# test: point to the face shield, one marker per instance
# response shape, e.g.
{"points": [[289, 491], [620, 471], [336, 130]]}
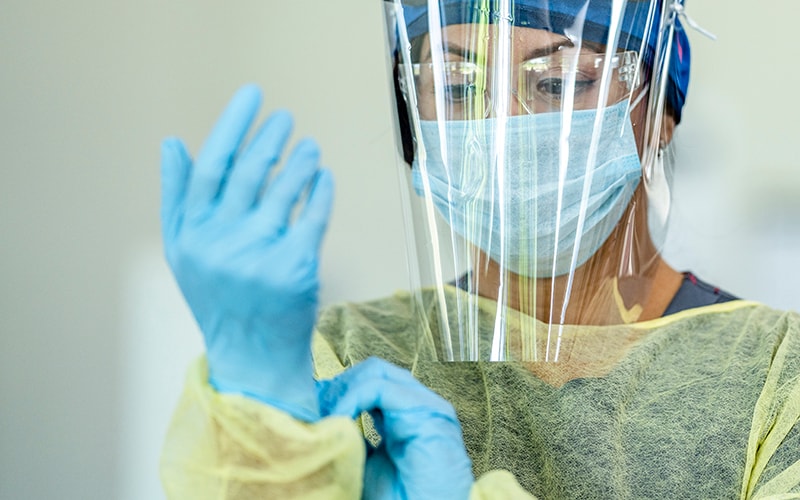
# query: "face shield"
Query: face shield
{"points": [[535, 191]]}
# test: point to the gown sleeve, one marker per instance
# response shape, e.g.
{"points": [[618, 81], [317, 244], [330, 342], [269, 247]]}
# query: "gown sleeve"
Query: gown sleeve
{"points": [[231, 447]]}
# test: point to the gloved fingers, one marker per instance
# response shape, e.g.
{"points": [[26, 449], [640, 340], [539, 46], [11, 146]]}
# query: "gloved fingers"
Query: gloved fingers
{"points": [[375, 384], [422, 453], [254, 164], [285, 190], [380, 477], [429, 476], [313, 220], [219, 150], [175, 166]]}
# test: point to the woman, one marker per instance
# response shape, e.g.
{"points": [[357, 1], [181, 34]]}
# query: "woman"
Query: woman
{"points": [[577, 362]]}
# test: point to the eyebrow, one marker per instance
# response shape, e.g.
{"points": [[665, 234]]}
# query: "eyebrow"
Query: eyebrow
{"points": [[548, 49], [455, 49]]}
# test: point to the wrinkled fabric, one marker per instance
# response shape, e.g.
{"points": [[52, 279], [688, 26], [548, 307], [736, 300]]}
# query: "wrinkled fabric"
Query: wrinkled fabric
{"points": [[222, 446], [228, 447], [701, 404]]}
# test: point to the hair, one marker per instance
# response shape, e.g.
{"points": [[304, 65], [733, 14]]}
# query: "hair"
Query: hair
{"points": [[406, 136]]}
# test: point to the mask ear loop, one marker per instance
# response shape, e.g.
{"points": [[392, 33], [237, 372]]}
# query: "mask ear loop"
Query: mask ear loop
{"points": [[639, 98]]}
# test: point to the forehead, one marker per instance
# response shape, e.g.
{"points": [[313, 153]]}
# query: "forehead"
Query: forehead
{"points": [[591, 24], [482, 39]]}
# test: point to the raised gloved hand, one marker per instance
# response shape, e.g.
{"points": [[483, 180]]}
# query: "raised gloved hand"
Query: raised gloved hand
{"points": [[247, 271], [421, 454]]}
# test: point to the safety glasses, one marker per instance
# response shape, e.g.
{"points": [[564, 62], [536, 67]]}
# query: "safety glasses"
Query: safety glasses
{"points": [[460, 89]]}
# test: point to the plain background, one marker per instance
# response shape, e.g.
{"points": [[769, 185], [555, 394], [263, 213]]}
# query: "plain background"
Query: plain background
{"points": [[94, 337]]}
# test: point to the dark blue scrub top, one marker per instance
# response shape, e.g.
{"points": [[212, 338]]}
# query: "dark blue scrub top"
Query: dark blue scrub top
{"points": [[692, 293], [696, 293]]}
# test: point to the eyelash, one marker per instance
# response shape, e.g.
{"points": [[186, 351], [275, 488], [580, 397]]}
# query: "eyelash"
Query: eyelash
{"points": [[461, 88], [580, 86]]}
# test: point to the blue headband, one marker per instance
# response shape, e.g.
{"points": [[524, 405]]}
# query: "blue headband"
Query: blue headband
{"points": [[558, 15]]}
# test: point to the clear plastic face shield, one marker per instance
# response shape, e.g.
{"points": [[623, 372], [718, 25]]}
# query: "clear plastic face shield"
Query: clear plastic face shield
{"points": [[536, 194]]}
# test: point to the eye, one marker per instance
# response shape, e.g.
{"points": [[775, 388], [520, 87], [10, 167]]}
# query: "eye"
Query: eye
{"points": [[553, 87], [459, 92], [550, 86]]}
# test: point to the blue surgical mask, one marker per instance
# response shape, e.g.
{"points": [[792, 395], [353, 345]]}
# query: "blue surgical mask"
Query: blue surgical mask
{"points": [[539, 194]]}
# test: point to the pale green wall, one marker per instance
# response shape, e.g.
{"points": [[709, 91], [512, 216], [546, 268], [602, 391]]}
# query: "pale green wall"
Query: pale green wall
{"points": [[737, 205]]}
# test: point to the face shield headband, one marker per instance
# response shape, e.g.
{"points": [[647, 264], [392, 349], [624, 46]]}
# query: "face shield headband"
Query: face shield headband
{"points": [[557, 16]]}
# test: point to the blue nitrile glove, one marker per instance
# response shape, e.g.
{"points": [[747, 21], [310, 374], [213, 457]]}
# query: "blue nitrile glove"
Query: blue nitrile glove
{"points": [[249, 273], [421, 454]]}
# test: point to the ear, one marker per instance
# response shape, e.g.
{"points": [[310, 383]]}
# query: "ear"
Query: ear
{"points": [[667, 129]]}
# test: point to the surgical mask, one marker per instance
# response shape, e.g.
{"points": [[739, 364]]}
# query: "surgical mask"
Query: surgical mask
{"points": [[545, 201]]}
